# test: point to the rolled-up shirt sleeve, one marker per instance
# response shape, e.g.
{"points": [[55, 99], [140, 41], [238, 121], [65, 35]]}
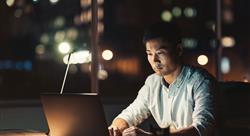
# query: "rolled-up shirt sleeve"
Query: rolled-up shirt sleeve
{"points": [[137, 111], [204, 109]]}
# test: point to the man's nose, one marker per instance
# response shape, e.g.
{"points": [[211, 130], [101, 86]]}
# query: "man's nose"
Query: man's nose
{"points": [[155, 58]]}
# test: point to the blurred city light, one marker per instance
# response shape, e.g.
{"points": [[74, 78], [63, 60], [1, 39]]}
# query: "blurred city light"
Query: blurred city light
{"points": [[225, 65], [59, 22], [246, 77], [210, 25], [79, 57], [128, 66], [107, 54], [100, 13], [77, 20], [85, 3], [166, 16], [44, 38], [53, 1], [228, 41], [28, 65], [73, 69], [100, 1], [59, 36], [190, 43], [10, 2], [85, 16], [176, 11], [20, 3], [18, 13], [64, 47], [72, 34], [190, 12], [102, 74], [40, 49], [100, 27], [202, 59], [24, 65], [212, 43], [228, 16]]}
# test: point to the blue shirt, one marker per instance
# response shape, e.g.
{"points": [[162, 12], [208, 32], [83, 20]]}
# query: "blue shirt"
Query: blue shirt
{"points": [[189, 100]]}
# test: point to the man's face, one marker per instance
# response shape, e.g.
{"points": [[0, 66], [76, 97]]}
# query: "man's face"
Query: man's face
{"points": [[162, 57]]}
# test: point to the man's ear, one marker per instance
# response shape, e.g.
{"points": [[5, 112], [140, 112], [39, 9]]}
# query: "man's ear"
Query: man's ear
{"points": [[179, 49]]}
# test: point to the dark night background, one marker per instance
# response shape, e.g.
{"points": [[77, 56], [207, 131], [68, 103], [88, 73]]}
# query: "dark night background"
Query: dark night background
{"points": [[28, 27], [32, 30]]}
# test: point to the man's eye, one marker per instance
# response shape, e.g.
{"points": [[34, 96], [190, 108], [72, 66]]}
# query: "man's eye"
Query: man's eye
{"points": [[149, 54], [159, 52]]}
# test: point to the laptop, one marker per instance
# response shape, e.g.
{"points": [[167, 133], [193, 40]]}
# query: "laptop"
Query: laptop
{"points": [[74, 114]]}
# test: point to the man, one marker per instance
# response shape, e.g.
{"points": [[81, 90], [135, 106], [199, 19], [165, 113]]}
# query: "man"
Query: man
{"points": [[178, 96]]}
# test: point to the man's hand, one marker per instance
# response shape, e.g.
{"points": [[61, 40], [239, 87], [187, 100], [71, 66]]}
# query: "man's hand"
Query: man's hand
{"points": [[118, 125], [134, 131], [114, 131]]}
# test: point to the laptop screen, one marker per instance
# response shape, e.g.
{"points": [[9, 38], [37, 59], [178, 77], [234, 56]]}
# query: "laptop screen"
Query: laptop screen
{"points": [[74, 115]]}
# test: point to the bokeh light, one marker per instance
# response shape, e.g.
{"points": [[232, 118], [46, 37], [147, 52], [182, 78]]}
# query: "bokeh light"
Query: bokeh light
{"points": [[107, 54], [166, 16], [100, 13], [190, 43], [18, 13], [53, 1], [73, 69], [176, 11], [228, 16], [225, 65], [85, 16], [85, 3], [78, 57], [228, 41], [64, 47], [102, 74], [40, 49], [100, 27], [59, 36], [202, 59], [44, 38], [190, 12], [59, 22], [77, 20], [10, 2], [72, 33], [100, 2]]}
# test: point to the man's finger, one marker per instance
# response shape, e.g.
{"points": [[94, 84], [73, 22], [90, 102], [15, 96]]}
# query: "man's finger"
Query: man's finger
{"points": [[129, 130], [111, 133], [116, 131]]}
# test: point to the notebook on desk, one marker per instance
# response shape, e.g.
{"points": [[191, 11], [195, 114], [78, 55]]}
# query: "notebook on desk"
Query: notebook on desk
{"points": [[74, 115]]}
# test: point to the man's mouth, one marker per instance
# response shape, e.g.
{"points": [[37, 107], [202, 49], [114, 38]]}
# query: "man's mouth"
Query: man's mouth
{"points": [[158, 66]]}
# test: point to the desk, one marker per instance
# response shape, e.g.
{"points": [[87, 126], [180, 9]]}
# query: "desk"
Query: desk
{"points": [[21, 133]]}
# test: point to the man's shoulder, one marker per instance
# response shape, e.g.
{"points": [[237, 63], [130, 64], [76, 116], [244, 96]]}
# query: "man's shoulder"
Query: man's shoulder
{"points": [[153, 78], [198, 73]]}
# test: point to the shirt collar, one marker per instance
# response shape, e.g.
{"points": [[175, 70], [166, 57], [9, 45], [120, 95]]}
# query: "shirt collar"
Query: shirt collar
{"points": [[179, 80]]}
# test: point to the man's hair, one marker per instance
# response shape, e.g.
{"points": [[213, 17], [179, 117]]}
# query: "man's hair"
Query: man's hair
{"points": [[169, 32]]}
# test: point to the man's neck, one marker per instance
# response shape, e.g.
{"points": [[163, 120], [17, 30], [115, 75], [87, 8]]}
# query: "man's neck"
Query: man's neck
{"points": [[170, 78]]}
